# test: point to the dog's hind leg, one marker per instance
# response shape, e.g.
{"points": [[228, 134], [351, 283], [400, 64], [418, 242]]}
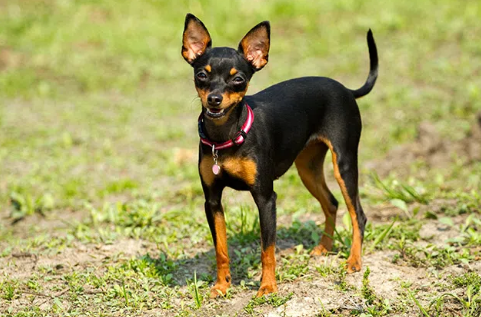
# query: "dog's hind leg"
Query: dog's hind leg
{"points": [[309, 165], [344, 159]]}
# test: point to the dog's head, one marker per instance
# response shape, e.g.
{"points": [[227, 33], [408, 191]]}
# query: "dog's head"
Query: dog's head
{"points": [[222, 74]]}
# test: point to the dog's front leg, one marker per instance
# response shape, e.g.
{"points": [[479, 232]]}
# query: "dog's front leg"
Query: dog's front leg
{"points": [[215, 217], [265, 199]]}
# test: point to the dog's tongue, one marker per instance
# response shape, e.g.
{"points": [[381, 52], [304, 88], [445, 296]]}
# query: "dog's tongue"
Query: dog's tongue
{"points": [[215, 110]]}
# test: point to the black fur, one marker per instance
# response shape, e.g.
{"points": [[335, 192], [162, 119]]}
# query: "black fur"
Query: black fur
{"points": [[289, 116]]}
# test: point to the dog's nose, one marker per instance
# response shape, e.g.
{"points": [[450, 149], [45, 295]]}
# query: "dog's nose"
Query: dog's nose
{"points": [[214, 99]]}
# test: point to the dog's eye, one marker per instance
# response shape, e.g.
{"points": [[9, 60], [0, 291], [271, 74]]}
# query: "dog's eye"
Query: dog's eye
{"points": [[201, 75], [238, 80]]}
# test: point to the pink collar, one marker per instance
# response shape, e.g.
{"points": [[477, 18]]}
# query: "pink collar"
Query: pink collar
{"points": [[239, 137]]}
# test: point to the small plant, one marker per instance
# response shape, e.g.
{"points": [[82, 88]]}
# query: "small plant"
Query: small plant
{"points": [[326, 269], [242, 224], [294, 265], [471, 305], [376, 306], [274, 300], [324, 312], [342, 284], [26, 205], [472, 279], [421, 307], [396, 192], [382, 236], [125, 294], [194, 289], [9, 291], [367, 291]]}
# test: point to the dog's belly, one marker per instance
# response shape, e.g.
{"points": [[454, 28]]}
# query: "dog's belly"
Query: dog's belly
{"points": [[281, 169]]}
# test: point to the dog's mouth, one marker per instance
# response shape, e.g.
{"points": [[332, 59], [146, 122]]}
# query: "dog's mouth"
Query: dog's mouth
{"points": [[215, 113]]}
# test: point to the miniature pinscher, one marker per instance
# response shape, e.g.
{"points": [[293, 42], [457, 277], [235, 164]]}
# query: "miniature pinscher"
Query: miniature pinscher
{"points": [[247, 142]]}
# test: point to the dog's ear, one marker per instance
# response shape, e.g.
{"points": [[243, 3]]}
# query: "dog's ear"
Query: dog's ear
{"points": [[255, 45], [196, 39]]}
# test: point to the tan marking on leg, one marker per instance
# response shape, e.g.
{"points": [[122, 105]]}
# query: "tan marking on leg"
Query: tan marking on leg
{"points": [[222, 257], [316, 184], [354, 262], [202, 95], [205, 170], [268, 282], [233, 71], [243, 168], [208, 68]]}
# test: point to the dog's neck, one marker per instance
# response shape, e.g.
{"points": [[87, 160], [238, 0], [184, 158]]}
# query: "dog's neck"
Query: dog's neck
{"points": [[221, 132]]}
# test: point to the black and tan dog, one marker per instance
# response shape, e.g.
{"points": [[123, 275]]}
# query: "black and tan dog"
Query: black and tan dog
{"points": [[247, 142]]}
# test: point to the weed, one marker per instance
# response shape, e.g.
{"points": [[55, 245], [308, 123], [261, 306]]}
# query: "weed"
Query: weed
{"points": [[327, 269], [375, 306], [25, 205], [275, 300], [194, 289], [161, 268], [398, 193], [342, 283], [418, 304], [380, 237], [9, 289], [472, 279], [471, 305], [367, 291], [324, 312], [294, 265]]}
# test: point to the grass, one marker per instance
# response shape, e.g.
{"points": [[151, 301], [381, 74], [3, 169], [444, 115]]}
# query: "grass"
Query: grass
{"points": [[100, 203]]}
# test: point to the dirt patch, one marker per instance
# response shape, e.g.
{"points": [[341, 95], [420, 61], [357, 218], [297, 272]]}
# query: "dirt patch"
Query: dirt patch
{"points": [[431, 149], [323, 294], [78, 257]]}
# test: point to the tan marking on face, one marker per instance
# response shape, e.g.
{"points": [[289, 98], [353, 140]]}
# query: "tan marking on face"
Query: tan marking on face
{"points": [[242, 168], [202, 95], [205, 170], [229, 99], [208, 68], [233, 71]]}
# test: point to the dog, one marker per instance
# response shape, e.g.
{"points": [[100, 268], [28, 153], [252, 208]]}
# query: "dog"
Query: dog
{"points": [[247, 142]]}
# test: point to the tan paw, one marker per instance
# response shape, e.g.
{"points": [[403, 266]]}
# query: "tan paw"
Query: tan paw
{"points": [[319, 250], [267, 289], [353, 264], [219, 289]]}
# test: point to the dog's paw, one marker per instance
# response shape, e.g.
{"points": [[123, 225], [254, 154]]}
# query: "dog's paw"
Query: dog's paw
{"points": [[353, 264], [267, 289], [319, 250], [219, 290]]}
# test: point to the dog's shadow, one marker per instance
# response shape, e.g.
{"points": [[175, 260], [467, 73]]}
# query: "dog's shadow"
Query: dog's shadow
{"points": [[244, 252]]}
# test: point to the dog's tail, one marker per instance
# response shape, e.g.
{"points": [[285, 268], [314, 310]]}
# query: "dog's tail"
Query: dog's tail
{"points": [[371, 79]]}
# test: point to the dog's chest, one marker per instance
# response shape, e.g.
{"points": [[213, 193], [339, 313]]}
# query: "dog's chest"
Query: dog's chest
{"points": [[242, 168]]}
